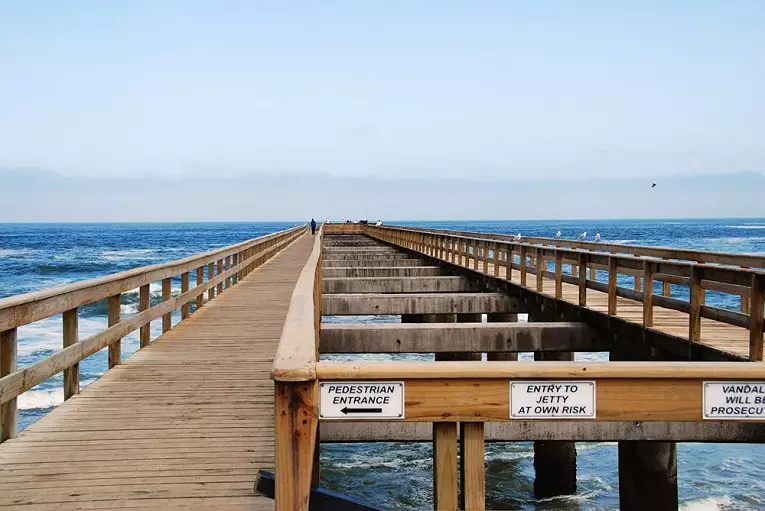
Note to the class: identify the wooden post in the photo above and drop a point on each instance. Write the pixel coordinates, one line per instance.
(166, 318)
(509, 262)
(144, 302)
(115, 349)
(582, 279)
(200, 281)
(445, 466)
(475, 254)
(228, 267)
(649, 269)
(756, 317)
(7, 366)
(665, 289)
(472, 473)
(495, 249)
(637, 283)
(210, 275)
(613, 274)
(485, 254)
(71, 336)
(185, 287)
(466, 253)
(558, 274)
(523, 265)
(540, 270)
(296, 420)
(220, 271)
(694, 323)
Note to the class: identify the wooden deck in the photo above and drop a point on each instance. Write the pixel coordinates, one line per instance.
(185, 422)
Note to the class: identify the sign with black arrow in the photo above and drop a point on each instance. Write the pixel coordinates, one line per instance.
(353, 400)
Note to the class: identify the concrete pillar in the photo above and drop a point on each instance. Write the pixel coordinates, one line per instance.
(554, 462)
(501, 318)
(647, 470)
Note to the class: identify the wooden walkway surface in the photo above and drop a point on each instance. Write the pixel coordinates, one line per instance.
(185, 422)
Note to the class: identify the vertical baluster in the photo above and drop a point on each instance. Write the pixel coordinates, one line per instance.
(445, 465)
(694, 323)
(756, 317)
(228, 267)
(638, 286)
(234, 262)
(220, 272)
(166, 294)
(8, 363)
(665, 289)
(582, 279)
(115, 349)
(186, 307)
(495, 249)
(523, 265)
(613, 276)
(509, 261)
(210, 276)
(472, 474)
(649, 268)
(558, 274)
(144, 302)
(71, 336)
(485, 254)
(200, 281)
(540, 269)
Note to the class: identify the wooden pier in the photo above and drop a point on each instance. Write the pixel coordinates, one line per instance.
(191, 418)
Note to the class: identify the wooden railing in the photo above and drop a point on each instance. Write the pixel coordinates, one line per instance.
(644, 264)
(296, 395)
(225, 267)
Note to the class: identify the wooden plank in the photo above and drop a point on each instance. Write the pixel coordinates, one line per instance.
(166, 295)
(757, 311)
(445, 466)
(185, 308)
(115, 349)
(472, 472)
(144, 303)
(8, 361)
(71, 336)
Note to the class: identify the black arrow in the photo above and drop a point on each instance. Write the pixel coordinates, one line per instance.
(347, 410)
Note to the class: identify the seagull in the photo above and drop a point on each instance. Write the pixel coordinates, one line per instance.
(558, 234)
(582, 236)
(517, 237)
(653, 185)
(597, 237)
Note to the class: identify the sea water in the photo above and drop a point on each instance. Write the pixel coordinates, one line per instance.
(396, 475)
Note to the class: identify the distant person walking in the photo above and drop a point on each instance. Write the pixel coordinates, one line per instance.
(313, 227)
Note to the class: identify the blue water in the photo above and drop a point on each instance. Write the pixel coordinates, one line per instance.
(37, 256)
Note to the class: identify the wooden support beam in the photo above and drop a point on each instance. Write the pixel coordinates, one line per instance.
(495, 250)
(485, 255)
(372, 263)
(200, 281)
(472, 472)
(185, 308)
(613, 275)
(540, 269)
(445, 466)
(523, 265)
(417, 303)
(221, 269)
(756, 317)
(296, 422)
(582, 280)
(144, 302)
(694, 319)
(210, 276)
(438, 284)
(166, 295)
(475, 255)
(558, 274)
(395, 271)
(649, 268)
(509, 262)
(71, 336)
(115, 349)
(8, 365)
(492, 337)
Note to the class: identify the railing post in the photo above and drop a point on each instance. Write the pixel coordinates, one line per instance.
(756, 316)
(582, 279)
(445, 465)
(115, 348)
(558, 274)
(186, 307)
(648, 271)
(144, 302)
(540, 269)
(71, 336)
(296, 423)
(509, 262)
(613, 275)
(473, 473)
(465, 253)
(210, 276)
(694, 323)
(220, 272)
(474, 244)
(638, 286)
(495, 250)
(200, 281)
(234, 262)
(8, 351)
(228, 267)
(167, 323)
(523, 265)
(665, 289)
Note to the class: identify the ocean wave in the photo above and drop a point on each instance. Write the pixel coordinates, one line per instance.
(15, 252)
(37, 399)
(74, 267)
(707, 504)
(45, 337)
(122, 255)
(756, 226)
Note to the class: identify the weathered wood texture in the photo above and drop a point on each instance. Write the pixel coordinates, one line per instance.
(187, 421)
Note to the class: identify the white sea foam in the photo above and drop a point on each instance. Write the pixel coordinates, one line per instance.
(754, 226)
(623, 242)
(40, 399)
(707, 504)
(121, 255)
(47, 334)
(15, 252)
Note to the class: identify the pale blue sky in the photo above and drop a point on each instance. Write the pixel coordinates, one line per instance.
(483, 90)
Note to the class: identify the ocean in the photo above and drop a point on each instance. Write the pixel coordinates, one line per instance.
(397, 475)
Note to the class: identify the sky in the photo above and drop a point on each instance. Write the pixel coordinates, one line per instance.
(482, 91)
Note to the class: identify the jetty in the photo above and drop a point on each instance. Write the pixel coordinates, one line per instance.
(228, 407)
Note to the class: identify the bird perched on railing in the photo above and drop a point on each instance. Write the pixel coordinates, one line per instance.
(558, 234)
(597, 237)
(517, 237)
(582, 236)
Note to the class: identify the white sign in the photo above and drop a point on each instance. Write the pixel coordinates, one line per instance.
(734, 400)
(552, 399)
(352, 400)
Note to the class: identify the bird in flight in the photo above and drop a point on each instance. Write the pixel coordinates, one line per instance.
(653, 185)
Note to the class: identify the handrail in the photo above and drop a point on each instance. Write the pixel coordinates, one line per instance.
(297, 352)
(699, 276)
(233, 263)
(700, 256)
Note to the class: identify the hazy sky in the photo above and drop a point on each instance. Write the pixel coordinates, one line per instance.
(485, 90)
